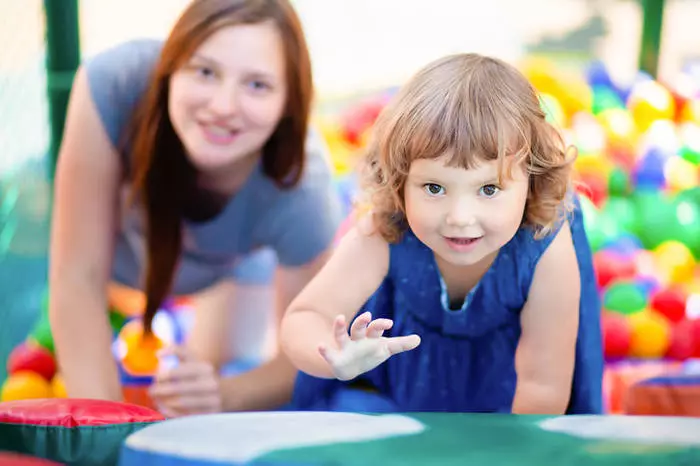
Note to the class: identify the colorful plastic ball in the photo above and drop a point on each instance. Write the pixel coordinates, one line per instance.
(691, 111)
(648, 284)
(649, 171)
(675, 261)
(140, 358)
(692, 307)
(593, 164)
(626, 245)
(587, 134)
(681, 174)
(617, 335)
(655, 218)
(685, 337)
(553, 110)
(690, 142)
(31, 357)
(597, 75)
(41, 335)
(594, 187)
(58, 387)
(621, 209)
(618, 182)
(663, 136)
(669, 302)
(25, 385)
(610, 266)
(651, 333)
(650, 101)
(624, 297)
(605, 98)
(618, 126)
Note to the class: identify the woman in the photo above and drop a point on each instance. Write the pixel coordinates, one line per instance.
(179, 161)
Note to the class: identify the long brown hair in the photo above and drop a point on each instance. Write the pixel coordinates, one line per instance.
(163, 178)
(470, 108)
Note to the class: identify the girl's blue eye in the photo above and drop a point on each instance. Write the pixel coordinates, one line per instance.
(434, 189)
(489, 190)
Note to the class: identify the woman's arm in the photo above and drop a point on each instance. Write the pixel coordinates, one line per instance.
(356, 269)
(545, 357)
(270, 385)
(82, 234)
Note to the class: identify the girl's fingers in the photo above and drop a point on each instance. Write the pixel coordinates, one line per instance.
(398, 345)
(376, 328)
(340, 331)
(358, 330)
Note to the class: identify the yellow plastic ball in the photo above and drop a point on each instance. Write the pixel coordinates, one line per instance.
(651, 101)
(58, 387)
(577, 96)
(650, 334)
(24, 385)
(674, 261)
(619, 127)
(594, 165)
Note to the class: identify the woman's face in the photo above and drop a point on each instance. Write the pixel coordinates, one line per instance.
(229, 97)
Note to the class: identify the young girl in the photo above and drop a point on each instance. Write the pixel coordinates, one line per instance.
(183, 164)
(472, 274)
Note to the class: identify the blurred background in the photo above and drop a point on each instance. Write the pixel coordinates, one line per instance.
(620, 78)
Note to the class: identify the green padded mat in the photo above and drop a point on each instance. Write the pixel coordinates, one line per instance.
(412, 439)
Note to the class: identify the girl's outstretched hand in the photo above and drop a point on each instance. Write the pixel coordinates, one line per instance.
(365, 348)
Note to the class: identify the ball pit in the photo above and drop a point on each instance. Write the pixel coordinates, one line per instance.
(31, 366)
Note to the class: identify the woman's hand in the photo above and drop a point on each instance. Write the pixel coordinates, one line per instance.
(365, 348)
(192, 386)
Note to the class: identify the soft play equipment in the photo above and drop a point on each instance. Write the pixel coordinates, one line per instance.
(71, 431)
(318, 438)
(31, 366)
(15, 459)
(637, 173)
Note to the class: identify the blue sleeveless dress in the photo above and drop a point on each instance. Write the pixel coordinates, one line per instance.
(466, 359)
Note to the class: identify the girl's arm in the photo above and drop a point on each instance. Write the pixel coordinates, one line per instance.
(545, 356)
(355, 271)
(83, 227)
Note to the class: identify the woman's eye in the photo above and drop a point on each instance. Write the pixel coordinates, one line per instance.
(259, 85)
(433, 189)
(204, 71)
(489, 190)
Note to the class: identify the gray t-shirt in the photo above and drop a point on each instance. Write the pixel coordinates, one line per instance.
(297, 224)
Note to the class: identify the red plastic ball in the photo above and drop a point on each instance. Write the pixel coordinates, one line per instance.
(610, 267)
(670, 302)
(595, 187)
(32, 358)
(683, 340)
(617, 335)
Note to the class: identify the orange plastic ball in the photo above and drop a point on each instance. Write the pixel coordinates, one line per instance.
(141, 357)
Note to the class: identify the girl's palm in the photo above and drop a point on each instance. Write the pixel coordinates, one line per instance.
(365, 348)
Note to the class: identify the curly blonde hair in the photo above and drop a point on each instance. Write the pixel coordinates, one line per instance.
(471, 108)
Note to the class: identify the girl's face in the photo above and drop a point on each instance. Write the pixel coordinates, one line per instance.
(228, 99)
(464, 216)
